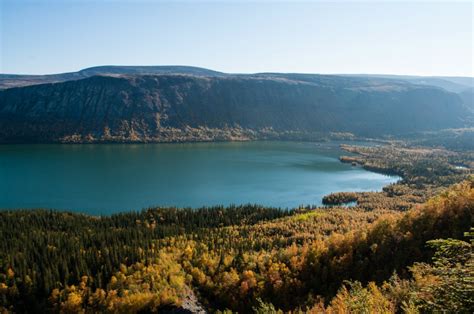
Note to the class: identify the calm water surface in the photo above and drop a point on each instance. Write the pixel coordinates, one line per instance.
(104, 179)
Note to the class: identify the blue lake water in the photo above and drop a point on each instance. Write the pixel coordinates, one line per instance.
(105, 179)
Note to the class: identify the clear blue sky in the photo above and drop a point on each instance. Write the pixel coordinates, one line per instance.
(38, 37)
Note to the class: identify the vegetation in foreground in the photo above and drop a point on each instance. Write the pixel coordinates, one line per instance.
(131, 262)
(250, 258)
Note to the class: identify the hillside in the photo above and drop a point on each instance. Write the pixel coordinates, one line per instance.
(19, 80)
(203, 106)
(234, 257)
(453, 84)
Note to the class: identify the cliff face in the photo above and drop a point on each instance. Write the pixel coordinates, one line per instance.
(234, 107)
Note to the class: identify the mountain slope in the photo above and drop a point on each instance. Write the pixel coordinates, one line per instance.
(453, 84)
(18, 80)
(188, 107)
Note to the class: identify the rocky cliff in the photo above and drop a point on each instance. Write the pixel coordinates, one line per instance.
(193, 107)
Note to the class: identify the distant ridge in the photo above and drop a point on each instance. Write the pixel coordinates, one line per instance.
(452, 84)
(142, 70)
(18, 80)
(455, 84)
(178, 103)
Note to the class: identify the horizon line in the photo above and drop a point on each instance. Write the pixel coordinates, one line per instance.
(241, 73)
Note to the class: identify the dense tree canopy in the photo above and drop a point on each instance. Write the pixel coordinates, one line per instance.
(130, 262)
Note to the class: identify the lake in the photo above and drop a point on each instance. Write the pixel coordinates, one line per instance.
(109, 178)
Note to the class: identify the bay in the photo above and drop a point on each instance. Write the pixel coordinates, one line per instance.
(109, 178)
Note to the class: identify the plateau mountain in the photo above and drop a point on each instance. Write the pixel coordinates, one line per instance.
(169, 104)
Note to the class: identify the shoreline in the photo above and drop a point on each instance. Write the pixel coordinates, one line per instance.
(223, 206)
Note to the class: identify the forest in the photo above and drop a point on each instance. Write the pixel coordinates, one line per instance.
(406, 249)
